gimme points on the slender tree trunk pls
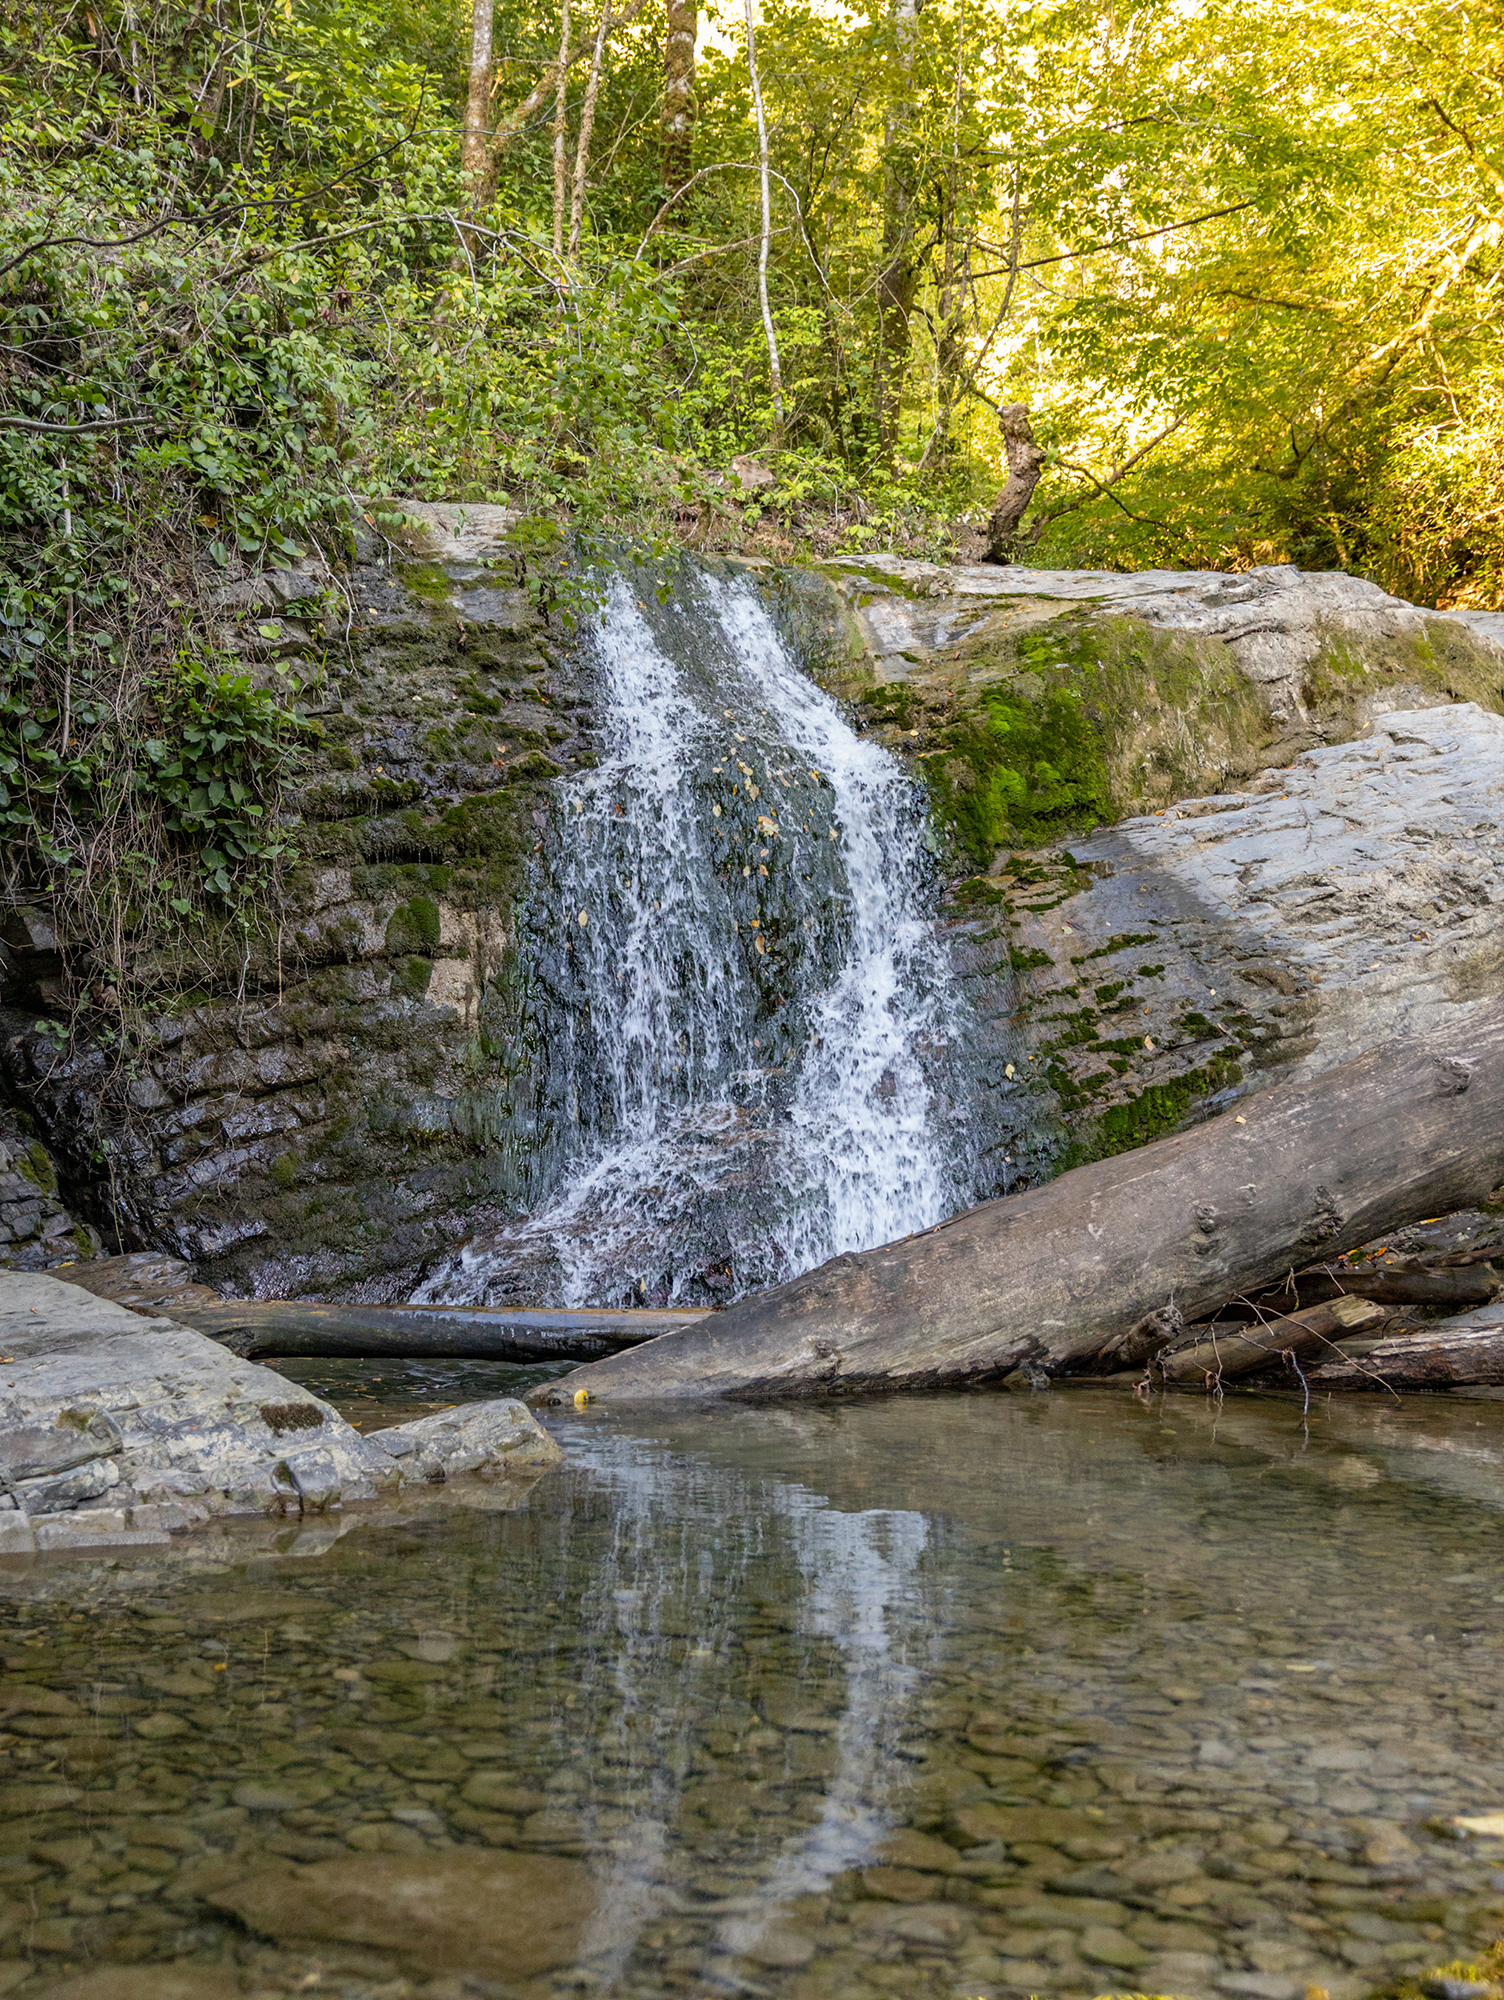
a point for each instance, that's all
(898, 277)
(775, 369)
(679, 92)
(1025, 463)
(587, 127)
(561, 134)
(478, 105)
(949, 344)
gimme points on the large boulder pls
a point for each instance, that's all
(117, 1429)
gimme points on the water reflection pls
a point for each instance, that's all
(1059, 1695)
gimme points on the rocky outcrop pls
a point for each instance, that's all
(382, 1087)
(377, 1075)
(1177, 960)
(118, 1430)
(1225, 829)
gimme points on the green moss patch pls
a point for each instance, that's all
(1083, 720)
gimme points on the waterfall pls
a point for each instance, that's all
(752, 1021)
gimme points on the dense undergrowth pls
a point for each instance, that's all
(1241, 263)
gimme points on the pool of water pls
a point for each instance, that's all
(979, 1696)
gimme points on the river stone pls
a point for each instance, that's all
(95, 1397)
(911, 1849)
(1044, 1825)
(468, 1910)
(1105, 1946)
(147, 1982)
(475, 1437)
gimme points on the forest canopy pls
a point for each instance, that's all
(263, 259)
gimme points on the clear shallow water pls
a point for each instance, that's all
(959, 1697)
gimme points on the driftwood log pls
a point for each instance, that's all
(256, 1329)
(1225, 1355)
(1399, 1284)
(1058, 1279)
(1450, 1357)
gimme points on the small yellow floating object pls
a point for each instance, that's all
(1008, 1069)
(581, 1398)
(1489, 1823)
(584, 918)
(1240, 1121)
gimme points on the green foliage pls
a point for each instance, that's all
(225, 751)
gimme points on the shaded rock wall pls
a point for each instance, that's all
(377, 1076)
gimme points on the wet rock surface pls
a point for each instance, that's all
(117, 1430)
(1186, 1704)
(324, 1128)
(37, 1229)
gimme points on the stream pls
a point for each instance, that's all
(978, 1696)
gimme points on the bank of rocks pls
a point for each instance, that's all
(118, 1429)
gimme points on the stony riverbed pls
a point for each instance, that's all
(986, 1696)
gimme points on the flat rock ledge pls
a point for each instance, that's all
(118, 1430)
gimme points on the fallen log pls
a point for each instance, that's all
(257, 1329)
(1395, 1285)
(1223, 1357)
(1061, 1278)
(1450, 1357)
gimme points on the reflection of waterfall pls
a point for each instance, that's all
(860, 1618)
(753, 1021)
(859, 1572)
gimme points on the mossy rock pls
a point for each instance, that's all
(1080, 721)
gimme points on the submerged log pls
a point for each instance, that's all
(258, 1328)
(1451, 1357)
(1051, 1279)
(1224, 1356)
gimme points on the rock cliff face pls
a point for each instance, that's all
(1303, 780)
(374, 1079)
(380, 1091)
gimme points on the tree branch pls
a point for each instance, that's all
(1103, 486)
(1117, 242)
(11, 423)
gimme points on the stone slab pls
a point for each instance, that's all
(138, 1426)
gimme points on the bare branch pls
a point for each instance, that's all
(1103, 486)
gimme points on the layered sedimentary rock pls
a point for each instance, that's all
(119, 1429)
(381, 1091)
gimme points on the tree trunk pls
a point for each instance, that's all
(1444, 1357)
(1057, 1277)
(898, 274)
(679, 92)
(1471, 1285)
(1224, 1356)
(259, 1328)
(473, 149)
(775, 367)
(587, 129)
(1025, 463)
(561, 133)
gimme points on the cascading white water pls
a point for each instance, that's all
(862, 1123)
(753, 1010)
